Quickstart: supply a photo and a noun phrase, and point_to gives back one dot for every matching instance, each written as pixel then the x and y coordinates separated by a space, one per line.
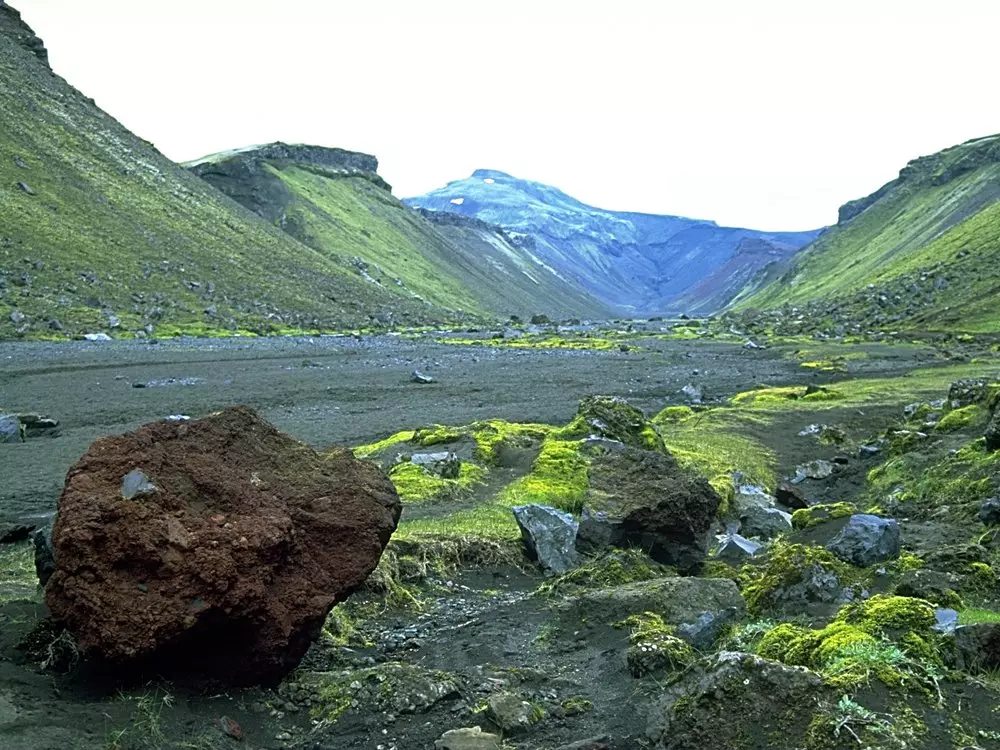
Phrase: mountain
pixel 920 252
pixel 101 232
pixel 636 263
pixel 335 203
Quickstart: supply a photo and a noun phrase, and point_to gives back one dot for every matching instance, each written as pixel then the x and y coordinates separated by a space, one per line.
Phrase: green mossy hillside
pixel 921 252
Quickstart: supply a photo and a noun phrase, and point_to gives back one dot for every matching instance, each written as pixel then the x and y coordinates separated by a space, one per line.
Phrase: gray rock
pixel 993 431
pixel 45 557
pixel 750 496
pixel 791 496
pixel 511 713
pixel 818 469
pixel 97 337
pixel 419 377
pixel 764 523
pixel 468 738
pixel 549 535
pixel 11 429
pixel 136 483
pixel 592 743
pixel 869 449
pixel 866 540
pixel 945 621
pixel 55 325
pixel 445 464
pixel 17 317
pixel 25 187
pixel 692 393
pixel 708 628
pixel 989 511
pixel 736 550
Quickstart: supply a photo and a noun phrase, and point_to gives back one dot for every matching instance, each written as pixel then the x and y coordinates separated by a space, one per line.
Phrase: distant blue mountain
pixel 636 263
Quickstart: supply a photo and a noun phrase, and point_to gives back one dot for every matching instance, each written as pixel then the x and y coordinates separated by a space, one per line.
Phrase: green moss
pixel 577 705
pixel 806 518
pixel 976 616
pixel 364 451
pixel 927 483
pixel 888 638
pixel 18 580
pixel 654 648
pixel 786 565
pixel 428 436
pixel 492 434
pixel 785 397
pixel 613 569
pixel 557 478
pixel 545 341
pixel 673 414
pixel 613 418
pixel 417 485
pixel 958 419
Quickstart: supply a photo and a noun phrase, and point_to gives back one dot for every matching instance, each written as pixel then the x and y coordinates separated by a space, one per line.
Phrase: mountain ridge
pixel 636 262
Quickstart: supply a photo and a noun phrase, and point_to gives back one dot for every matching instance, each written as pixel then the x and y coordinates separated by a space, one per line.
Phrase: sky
pixel 768 114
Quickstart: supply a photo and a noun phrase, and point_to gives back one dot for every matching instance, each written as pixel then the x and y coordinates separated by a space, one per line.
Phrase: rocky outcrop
pixel 229 559
pixel 549 535
pixel 640 498
pixel 12 25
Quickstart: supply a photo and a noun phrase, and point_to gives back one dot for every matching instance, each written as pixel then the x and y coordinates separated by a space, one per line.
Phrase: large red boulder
pixel 215 547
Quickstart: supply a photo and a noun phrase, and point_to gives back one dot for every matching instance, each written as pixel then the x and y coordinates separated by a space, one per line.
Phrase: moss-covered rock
pixel 616 419
pixel 791 577
pixel 639 498
pixel 611 569
pixel 653 647
pixel 958 419
pixel 806 518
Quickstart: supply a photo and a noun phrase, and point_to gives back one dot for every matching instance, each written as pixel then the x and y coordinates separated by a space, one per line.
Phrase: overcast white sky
pixel 760 113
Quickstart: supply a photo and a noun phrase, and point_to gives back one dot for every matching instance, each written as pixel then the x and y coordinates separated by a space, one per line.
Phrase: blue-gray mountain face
pixel 636 263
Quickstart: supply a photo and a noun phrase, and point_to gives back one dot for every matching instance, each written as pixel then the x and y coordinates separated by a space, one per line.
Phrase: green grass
pixel 943 215
pixel 17 573
pixel 977 616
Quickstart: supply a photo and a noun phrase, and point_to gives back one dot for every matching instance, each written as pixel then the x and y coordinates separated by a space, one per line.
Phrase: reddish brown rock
pixel 228 563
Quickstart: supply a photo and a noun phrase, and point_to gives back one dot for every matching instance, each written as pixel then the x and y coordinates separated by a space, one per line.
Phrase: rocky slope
pixel 920 252
pixel 638 263
pixel 335 203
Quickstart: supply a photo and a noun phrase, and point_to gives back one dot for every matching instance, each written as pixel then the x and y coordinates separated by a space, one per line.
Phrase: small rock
pixel 549 535
pixel 45 558
pixel 708 628
pixel 468 738
pixel 946 621
pixel 25 187
pixel 818 469
pixel 55 325
pixel 736 550
pixel 692 393
pixel 97 337
pixel 229 727
pixel 511 713
pixel 751 496
pixel 444 464
pixel 751 344
pixel 866 540
pixel 17 317
pixel 419 377
pixel 791 496
pixel 594 743
pixel 868 450
pixel 764 523
pixel 993 432
pixel 136 483
pixel 12 430
pixel 989 511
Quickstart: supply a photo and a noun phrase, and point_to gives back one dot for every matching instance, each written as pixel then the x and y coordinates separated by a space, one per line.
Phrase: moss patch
pixel 806 518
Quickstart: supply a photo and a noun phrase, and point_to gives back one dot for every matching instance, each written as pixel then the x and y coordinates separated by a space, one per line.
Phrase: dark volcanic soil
pixel 342 390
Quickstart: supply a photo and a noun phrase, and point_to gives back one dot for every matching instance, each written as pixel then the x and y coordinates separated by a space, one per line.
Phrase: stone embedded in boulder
pixel 865 540
pixel 738 701
pixel 549 536
pixel 230 568
pixel 642 499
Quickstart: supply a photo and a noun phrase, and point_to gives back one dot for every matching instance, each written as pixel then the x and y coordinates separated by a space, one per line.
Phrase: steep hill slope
pixel 639 263
pixel 923 251
pixel 334 202
pixel 100 232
